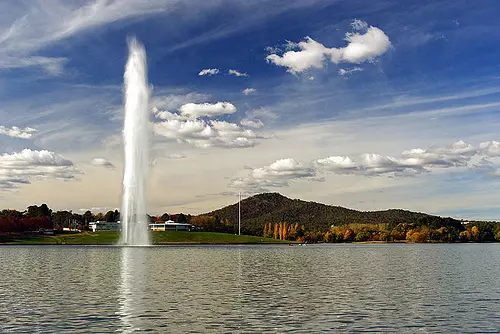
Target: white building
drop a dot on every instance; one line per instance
(170, 225)
(102, 225)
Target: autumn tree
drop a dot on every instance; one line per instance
(276, 232)
(284, 232)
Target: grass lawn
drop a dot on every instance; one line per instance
(158, 238)
(207, 238)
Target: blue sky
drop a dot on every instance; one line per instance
(394, 104)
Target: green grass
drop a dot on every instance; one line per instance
(207, 238)
(158, 238)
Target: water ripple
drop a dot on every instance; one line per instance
(251, 289)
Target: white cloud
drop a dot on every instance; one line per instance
(177, 156)
(411, 162)
(167, 115)
(195, 110)
(209, 71)
(490, 148)
(51, 65)
(369, 165)
(456, 155)
(283, 172)
(103, 162)
(17, 132)
(174, 101)
(247, 91)
(361, 47)
(311, 54)
(22, 167)
(337, 164)
(204, 134)
(280, 173)
(237, 73)
(376, 165)
(261, 113)
(40, 23)
(252, 123)
(364, 47)
(344, 72)
(189, 127)
(359, 25)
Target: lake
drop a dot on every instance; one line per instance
(251, 289)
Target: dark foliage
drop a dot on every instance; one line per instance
(274, 207)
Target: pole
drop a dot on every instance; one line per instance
(239, 214)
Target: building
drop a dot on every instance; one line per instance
(102, 225)
(170, 225)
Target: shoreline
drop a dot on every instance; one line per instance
(168, 238)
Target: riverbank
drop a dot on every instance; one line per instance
(111, 238)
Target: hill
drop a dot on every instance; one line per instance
(274, 207)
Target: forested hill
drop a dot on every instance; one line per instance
(274, 207)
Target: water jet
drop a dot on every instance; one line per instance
(134, 219)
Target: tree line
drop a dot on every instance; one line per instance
(37, 218)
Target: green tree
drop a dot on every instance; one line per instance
(181, 219)
(109, 216)
(87, 217)
(34, 211)
(61, 219)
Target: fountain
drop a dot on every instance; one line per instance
(134, 220)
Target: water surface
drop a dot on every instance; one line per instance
(251, 289)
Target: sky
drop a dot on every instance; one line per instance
(391, 105)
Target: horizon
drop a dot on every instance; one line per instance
(368, 108)
(158, 214)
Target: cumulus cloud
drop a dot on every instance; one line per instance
(168, 116)
(490, 148)
(411, 162)
(247, 91)
(252, 123)
(283, 172)
(370, 164)
(22, 167)
(195, 110)
(280, 173)
(190, 126)
(338, 164)
(366, 43)
(209, 71)
(17, 132)
(237, 73)
(103, 163)
(456, 155)
(203, 134)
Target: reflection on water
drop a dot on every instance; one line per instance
(251, 289)
(132, 280)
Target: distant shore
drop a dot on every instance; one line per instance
(108, 238)
(111, 238)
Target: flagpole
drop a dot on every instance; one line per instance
(239, 214)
